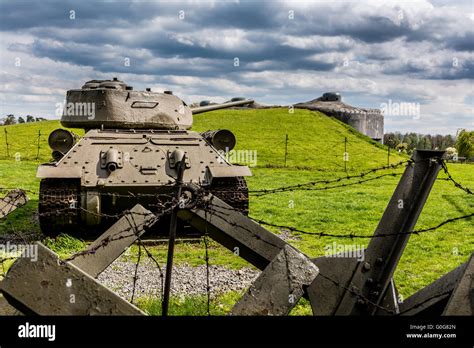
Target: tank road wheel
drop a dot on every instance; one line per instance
(58, 208)
(233, 191)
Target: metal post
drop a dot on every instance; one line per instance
(6, 141)
(39, 138)
(345, 154)
(286, 148)
(180, 167)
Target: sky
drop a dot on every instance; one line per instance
(375, 53)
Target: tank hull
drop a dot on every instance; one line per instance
(109, 171)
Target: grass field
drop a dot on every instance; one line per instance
(315, 151)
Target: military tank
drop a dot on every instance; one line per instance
(128, 155)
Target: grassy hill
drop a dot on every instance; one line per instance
(315, 151)
(315, 141)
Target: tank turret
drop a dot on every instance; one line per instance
(113, 104)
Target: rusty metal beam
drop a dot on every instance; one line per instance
(371, 278)
(328, 293)
(7, 309)
(383, 253)
(113, 242)
(49, 286)
(13, 200)
(390, 301)
(461, 301)
(324, 295)
(279, 287)
(235, 231)
(286, 271)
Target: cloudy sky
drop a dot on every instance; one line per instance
(373, 52)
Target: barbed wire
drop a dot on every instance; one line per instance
(206, 246)
(450, 178)
(120, 234)
(104, 193)
(350, 235)
(160, 269)
(355, 293)
(304, 186)
(363, 298)
(353, 235)
(335, 282)
(135, 275)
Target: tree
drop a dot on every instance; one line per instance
(465, 143)
(30, 118)
(398, 137)
(418, 141)
(390, 140)
(451, 153)
(10, 119)
(425, 142)
(402, 147)
(21, 120)
(450, 141)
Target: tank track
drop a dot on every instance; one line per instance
(59, 203)
(58, 208)
(233, 191)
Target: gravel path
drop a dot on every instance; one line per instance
(186, 280)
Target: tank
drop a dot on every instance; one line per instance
(129, 155)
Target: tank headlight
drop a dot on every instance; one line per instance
(61, 140)
(222, 139)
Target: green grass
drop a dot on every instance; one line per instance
(65, 245)
(315, 150)
(197, 305)
(20, 174)
(191, 305)
(23, 140)
(315, 141)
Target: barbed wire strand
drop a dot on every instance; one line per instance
(208, 286)
(456, 183)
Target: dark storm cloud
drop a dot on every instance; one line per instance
(371, 29)
(375, 29)
(103, 33)
(32, 14)
(462, 43)
(110, 59)
(245, 14)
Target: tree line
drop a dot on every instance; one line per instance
(11, 119)
(462, 144)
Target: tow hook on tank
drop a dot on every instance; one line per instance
(176, 157)
(111, 159)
